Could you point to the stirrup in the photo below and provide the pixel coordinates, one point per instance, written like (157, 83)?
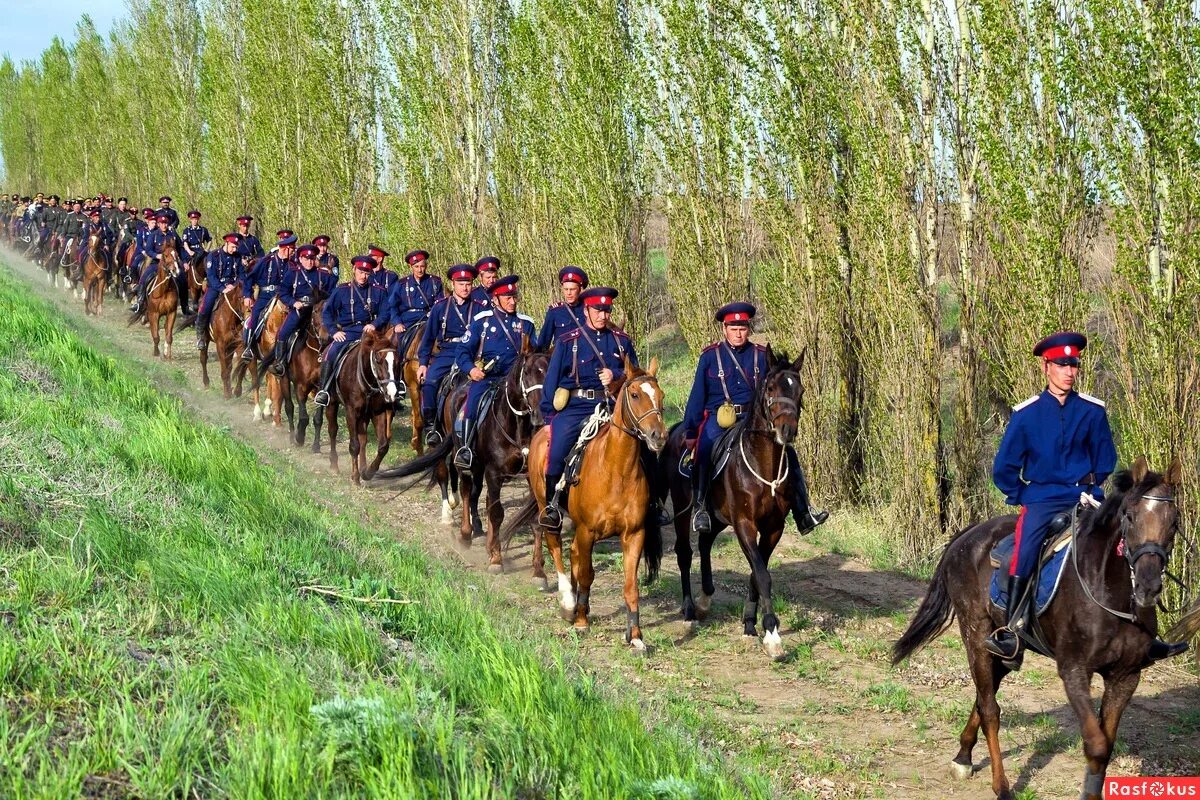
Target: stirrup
(432, 437)
(464, 458)
(808, 523)
(998, 644)
(321, 398)
(248, 353)
(201, 343)
(551, 516)
(701, 523)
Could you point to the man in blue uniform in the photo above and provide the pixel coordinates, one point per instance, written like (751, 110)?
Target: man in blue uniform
(1057, 447)
(140, 241)
(107, 238)
(585, 362)
(381, 277)
(353, 309)
(448, 322)
(156, 241)
(221, 274)
(304, 287)
(265, 276)
(195, 238)
(488, 350)
(164, 207)
(325, 259)
(249, 246)
(412, 296)
(563, 315)
(488, 268)
(729, 372)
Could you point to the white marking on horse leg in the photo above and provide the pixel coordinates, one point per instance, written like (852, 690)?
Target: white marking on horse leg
(638, 645)
(566, 597)
(257, 413)
(773, 644)
(703, 603)
(390, 357)
(446, 520)
(454, 499)
(961, 771)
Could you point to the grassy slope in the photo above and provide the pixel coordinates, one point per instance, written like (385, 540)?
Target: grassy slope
(153, 641)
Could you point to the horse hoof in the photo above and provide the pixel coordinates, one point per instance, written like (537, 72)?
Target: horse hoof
(566, 613)
(495, 569)
(638, 647)
(257, 414)
(539, 583)
(703, 605)
(581, 628)
(454, 501)
(961, 771)
(773, 644)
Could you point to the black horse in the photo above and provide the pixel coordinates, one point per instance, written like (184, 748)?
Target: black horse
(1102, 619)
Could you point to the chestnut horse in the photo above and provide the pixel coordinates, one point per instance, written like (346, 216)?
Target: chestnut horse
(95, 276)
(162, 298)
(752, 495)
(1102, 619)
(366, 386)
(301, 373)
(612, 498)
(412, 387)
(224, 334)
(501, 442)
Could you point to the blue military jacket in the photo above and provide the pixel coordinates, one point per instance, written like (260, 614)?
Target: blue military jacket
(306, 285)
(172, 216)
(410, 300)
(196, 237)
(352, 307)
(448, 322)
(107, 237)
(250, 247)
(157, 240)
(575, 364)
(480, 295)
(494, 334)
(1052, 451)
(720, 370)
(384, 279)
(331, 263)
(267, 274)
(560, 318)
(221, 269)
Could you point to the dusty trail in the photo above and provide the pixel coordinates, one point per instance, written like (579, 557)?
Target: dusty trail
(832, 720)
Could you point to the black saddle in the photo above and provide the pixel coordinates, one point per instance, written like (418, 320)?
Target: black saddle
(404, 339)
(1057, 537)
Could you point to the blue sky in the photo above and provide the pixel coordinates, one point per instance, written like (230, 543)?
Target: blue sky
(26, 26)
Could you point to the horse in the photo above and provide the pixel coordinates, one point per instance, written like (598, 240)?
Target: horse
(751, 495)
(412, 386)
(500, 449)
(278, 391)
(612, 498)
(302, 372)
(225, 334)
(162, 299)
(197, 282)
(1119, 556)
(366, 386)
(95, 275)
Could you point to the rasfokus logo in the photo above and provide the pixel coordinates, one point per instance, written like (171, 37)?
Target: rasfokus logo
(1153, 788)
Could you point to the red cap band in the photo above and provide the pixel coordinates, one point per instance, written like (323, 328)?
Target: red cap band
(1065, 351)
(571, 276)
(736, 317)
(462, 275)
(602, 300)
(508, 288)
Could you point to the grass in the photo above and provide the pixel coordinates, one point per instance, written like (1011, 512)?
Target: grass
(154, 641)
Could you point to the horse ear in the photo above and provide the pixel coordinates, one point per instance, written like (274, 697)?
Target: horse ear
(798, 364)
(652, 370)
(1139, 469)
(626, 364)
(1175, 472)
(525, 348)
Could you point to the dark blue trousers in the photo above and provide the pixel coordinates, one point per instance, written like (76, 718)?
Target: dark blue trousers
(475, 393)
(564, 431)
(439, 366)
(1032, 524)
(260, 305)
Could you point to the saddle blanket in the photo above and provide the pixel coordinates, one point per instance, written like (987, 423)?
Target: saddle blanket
(1048, 579)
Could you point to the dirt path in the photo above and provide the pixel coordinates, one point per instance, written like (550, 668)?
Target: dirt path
(832, 720)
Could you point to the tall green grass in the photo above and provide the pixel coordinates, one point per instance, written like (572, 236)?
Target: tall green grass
(153, 641)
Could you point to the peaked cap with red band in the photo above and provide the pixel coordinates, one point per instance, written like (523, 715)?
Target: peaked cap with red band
(506, 285)
(598, 297)
(148, 213)
(283, 233)
(245, 219)
(232, 237)
(306, 250)
(734, 313)
(573, 274)
(1062, 348)
(193, 214)
(322, 239)
(488, 264)
(365, 263)
(377, 252)
(461, 272)
(413, 256)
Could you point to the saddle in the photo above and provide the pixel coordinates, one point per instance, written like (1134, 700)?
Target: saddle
(1052, 563)
(450, 381)
(591, 429)
(336, 370)
(405, 338)
(485, 405)
(721, 451)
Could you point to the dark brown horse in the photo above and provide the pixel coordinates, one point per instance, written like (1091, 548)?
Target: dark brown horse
(408, 373)
(197, 282)
(225, 336)
(612, 498)
(501, 443)
(95, 275)
(366, 386)
(301, 373)
(162, 299)
(751, 494)
(1102, 620)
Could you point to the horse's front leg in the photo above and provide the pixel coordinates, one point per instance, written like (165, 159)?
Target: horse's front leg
(1118, 689)
(356, 434)
(1097, 748)
(632, 544)
(683, 556)
(495, 516)
(466, 490)
(331, 423)
(582, 574)
(759, 587)
(382, 442)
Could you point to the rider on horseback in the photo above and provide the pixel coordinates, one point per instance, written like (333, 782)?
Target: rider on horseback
(248, 245)
(726, 378)
(352, 310)
(156, 240)
(195, 237)
(411, 297)
(300, 291)
(221, 277)
(164, 207)
(325, 259)
(266, 275)
(448, 323)
(577, 381)
(488, 268)
(382, 278)
(489, 349)
(564, 315)
(1057, 449)
(107, 238)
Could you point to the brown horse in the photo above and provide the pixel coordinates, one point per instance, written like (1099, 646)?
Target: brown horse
(612, 498)
(500, 447)
(752, 495)
(412, 386)
(162, 298)
(197, 281)
(1102, 620)
(301, 373)
(225, 334)
(366, 386)
(95, 276)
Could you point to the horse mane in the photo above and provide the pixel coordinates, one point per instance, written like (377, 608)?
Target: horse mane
(776, 362)
(1121, 485)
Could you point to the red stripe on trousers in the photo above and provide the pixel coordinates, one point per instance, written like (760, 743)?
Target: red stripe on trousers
(1012, 566)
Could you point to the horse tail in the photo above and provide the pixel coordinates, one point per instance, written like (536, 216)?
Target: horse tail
(932, 617)
(427, 462)
(652, 547)
(525, 514)
(1187, 626)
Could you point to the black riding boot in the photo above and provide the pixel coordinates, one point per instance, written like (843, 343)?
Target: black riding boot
(278, 359)
(1004, 642)
(1160, 649)
(248, 352)
(701, 523)
(139, 303)
(429, 431)
(181, 285)
(805, 516)
(322, 396)
(551, 516)
(201, 332)
(464, 457)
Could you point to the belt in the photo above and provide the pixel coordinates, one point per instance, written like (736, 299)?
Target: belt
(587, 394)
(270, 288)
(737, 409)
(1088, 480)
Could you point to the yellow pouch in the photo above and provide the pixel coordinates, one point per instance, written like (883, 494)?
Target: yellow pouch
(726, 415)
(562, 396)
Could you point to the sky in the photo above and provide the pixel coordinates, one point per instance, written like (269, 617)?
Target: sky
(27, 26)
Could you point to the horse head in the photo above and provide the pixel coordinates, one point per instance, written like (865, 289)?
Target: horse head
(640, 404)
(1149, 518)
(781, 396)
(380, 357)
(530, 374)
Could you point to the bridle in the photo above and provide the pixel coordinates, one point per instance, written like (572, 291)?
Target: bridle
(526, 390)
(363, 380)
(627, 409)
